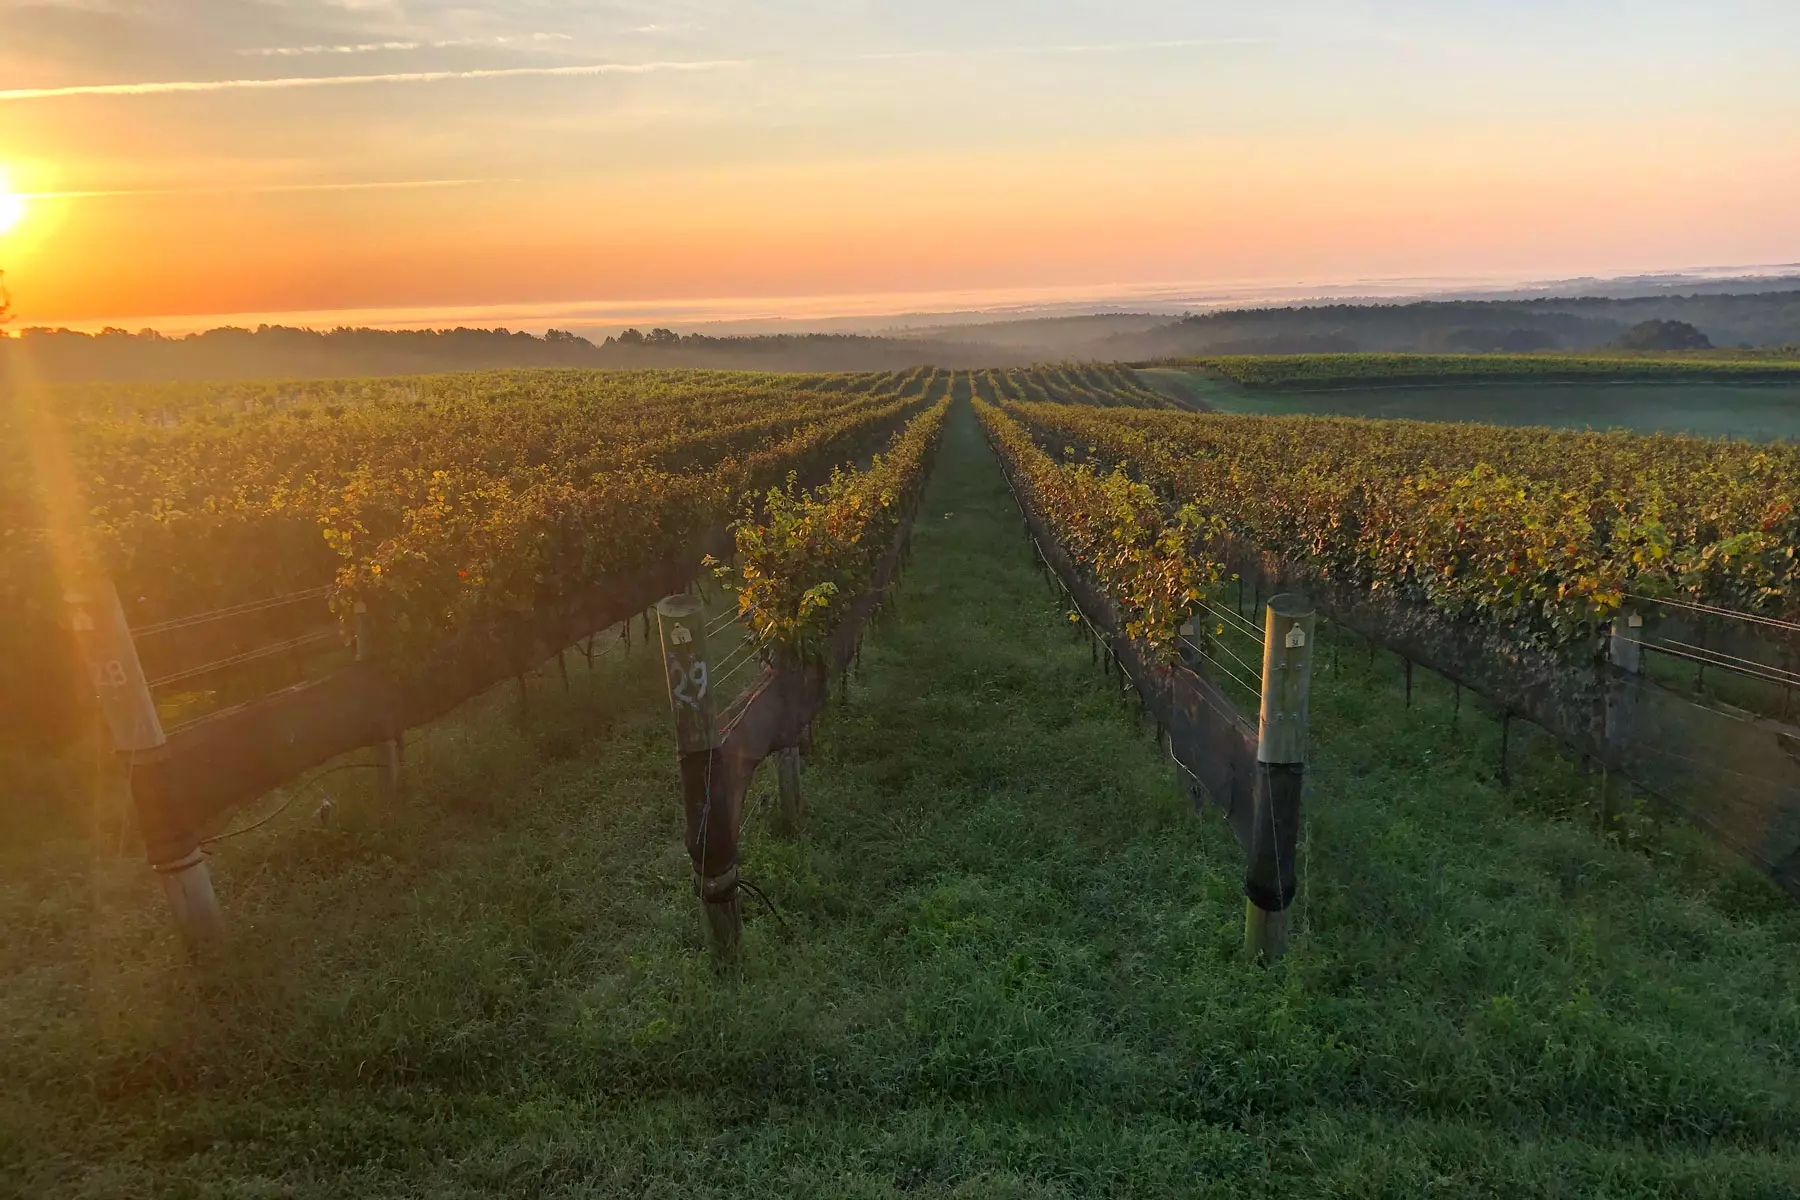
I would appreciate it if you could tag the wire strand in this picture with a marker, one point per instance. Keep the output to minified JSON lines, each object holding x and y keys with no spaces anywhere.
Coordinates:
{"x":1663,"y":648}
{"x":1763,"y":666}
{"x":1230,"y":674}
{"x":288,"y":803}
{"x":248,"y":656}
{"x":767,"y":903}
{"x":1253,"y":672}
{"x":1242,"y":625}
{"x":219,"y":614}
{"x":1715,"y":610}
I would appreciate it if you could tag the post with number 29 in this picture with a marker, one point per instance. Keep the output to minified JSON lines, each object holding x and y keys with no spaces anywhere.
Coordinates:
{"x":682,"y":620}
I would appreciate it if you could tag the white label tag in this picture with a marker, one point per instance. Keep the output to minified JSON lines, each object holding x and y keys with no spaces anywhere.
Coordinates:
{"x":1296,"y":638}
{"x":680,"y":636}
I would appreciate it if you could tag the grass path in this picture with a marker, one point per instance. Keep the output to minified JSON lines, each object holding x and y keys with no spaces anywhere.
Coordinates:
{"x":1006,"y":962}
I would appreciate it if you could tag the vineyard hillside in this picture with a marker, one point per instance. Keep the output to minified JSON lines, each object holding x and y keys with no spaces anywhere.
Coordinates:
{"x":977,"y":925}
{"x":1715,"y":395}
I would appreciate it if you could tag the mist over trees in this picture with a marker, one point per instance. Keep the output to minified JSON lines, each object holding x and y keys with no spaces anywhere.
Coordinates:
{"x":1471,"y":326}
{"x":274,"y":351}
{"x":1663,"y":335}
{"x":1447,"y":326}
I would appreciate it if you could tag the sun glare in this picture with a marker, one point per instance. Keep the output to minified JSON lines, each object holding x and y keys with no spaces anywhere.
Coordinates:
{"x":12,"y":205}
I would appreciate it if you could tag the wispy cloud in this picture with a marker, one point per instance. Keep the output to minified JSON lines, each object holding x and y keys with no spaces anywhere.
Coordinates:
{"x":262,"y":188}
{"x":171,"y":87}
{"x":377,"y":47}
{"x":1072,"y":48}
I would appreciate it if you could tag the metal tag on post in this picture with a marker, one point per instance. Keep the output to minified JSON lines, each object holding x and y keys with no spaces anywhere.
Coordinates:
{"x":683,"y":622}
{"x":111,"y":659}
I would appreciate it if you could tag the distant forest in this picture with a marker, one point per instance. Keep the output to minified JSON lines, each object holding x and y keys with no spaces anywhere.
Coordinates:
{"x":273,"y":351}
{"x":1457,"y":326}
{"x":1471,"y":326}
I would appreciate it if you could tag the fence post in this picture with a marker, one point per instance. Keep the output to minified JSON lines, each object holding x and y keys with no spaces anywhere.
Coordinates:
{"x":793,"y":803}
{"x":681,"y":620}
{"x":391,"y":752}
{"x":1624,"y":649}
{"x":111,"y":658}
{"x":1270,"y":879}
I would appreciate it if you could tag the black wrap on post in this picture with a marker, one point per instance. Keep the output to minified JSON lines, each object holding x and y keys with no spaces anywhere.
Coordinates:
{"x":1270,"y":880}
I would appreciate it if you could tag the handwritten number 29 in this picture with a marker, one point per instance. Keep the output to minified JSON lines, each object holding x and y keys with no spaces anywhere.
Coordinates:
{"x":688,"y":685}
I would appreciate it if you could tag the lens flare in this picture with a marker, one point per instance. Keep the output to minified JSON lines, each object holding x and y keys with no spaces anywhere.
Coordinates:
{"x":12,"y":205}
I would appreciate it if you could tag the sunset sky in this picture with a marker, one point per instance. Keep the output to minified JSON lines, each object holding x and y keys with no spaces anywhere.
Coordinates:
{"x":185,"y":158}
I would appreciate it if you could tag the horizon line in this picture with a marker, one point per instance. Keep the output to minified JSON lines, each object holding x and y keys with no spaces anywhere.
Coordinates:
{"x":995,"y":304}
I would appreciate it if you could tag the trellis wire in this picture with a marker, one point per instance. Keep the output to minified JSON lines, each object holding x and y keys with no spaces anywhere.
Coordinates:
{"x":248,"y":656}
{"x":1763,"y":672}
{"x":1241,"y":625}
{"x":1716,"y":611}
{"x":1721,"y":655}
{"x":1252,"y":671}
{"x":235,"y":610}
{"x":1227,"y":671}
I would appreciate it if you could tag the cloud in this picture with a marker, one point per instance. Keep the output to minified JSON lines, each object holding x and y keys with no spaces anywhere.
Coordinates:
{"x":263,"y":188}
{"x":312,"y":81}
{"x":377,"y":47}
{"x":1074,"y":48}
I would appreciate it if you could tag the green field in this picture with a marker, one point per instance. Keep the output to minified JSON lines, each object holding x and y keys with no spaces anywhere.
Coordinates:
{"x":1007,"y":961}
{"x":1758,"y":411}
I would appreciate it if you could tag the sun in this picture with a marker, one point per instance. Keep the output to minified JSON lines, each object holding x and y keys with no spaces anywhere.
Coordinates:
{"x":12,"y":205}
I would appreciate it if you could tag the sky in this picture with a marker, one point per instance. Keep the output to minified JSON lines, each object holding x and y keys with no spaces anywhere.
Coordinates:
{"x":180,"y":160}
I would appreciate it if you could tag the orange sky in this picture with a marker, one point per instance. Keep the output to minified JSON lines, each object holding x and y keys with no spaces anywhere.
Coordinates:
{"x":881,"y":156}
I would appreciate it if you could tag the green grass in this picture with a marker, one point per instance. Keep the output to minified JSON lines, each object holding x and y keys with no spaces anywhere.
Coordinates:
{"x":1007,"y":965}
{"x":1366,"y":370}
{"x":1709,"y":408}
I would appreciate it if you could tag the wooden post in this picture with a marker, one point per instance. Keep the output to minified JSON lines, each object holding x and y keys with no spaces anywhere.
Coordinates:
{"x":1270,"y":880}
{"x":392,"y":755}
{"x":1409,"y":683}
{"x":1625,"y":651}
{"x":791,"y":817}
{"x":682,"y":621}
{"x":111,"y":658}
{"x":1505,"y":748}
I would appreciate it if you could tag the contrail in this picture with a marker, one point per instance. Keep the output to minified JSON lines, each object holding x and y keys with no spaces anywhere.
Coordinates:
{"x":382,"y":185}
{"x":1072,"y":48}
{"x":313,"y":81}
{"x":376,"y":47}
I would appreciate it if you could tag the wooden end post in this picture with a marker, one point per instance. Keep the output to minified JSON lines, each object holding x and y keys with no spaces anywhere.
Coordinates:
{"x":1625,"y":651}
{"x":111,"y":657}
{"x":682,"y":622}
{"x":391,"y":752}
{"x":1270,"y":880}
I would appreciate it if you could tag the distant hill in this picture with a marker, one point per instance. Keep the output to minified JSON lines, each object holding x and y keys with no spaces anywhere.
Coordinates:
{"x":1512,"y":326}
{"x":1464,"y":326}
{"x":63,"y":356}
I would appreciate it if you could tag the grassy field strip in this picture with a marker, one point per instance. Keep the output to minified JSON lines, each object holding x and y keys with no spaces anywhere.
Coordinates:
{"x":1006,"y":962}
{"x":1759,"y":411}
